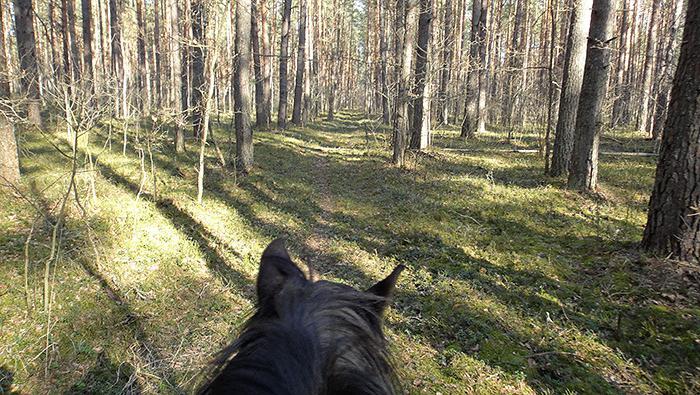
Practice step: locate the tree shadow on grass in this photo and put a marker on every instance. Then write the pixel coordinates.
(106, 377)
(7, 378)
(469, 327)
(204, 239)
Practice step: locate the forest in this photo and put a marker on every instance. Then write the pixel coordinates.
(533, 165)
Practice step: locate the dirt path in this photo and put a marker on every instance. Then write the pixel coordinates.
(319, 239)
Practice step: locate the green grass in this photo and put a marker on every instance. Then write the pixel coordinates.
(515, 284)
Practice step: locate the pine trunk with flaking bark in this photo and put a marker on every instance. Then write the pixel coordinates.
(383, 49)
(53, 41)
(666, 71)
(198, 50)
(117, 59)
(105, 41)
(284, 61)
(445, 70)
(144, 77)
(88, 46)
(175, 77)
(261, 61)
(574, 62)
(583, 171)
(515, 63)
(334, 62)
(419, 131)
(643, 119)
(401, 116)
(186, 61)
(299, 107)
(69, 6)
(673, 223)
(244, 134)
(27, 54)
(260, 119)
(156, 54)
(9, 158)
(474, 117)
(621, 60)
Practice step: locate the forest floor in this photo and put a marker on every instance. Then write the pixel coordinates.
(514, 283)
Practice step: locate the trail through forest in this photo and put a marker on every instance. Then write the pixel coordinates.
(514, 284)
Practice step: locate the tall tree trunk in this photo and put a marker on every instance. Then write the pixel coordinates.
(56, 62)
(72, 42)
(643, 119)
(673, 224)
(447, 45)
(261, 61)
(419, 130)
(334, 63)
(207, 102)
(260, 118)
(515, 62)
(88, 46)
(666, 73)
(175, 77)
(9, 158)
(186, 61)
(583, 172)
(474, 114)
(284, 59)
(198, 51)
(297, 111)
(117, 60)
(401, 117)
(386, 117)
(157, 63)
(244, 134)
(574, 61)
(144, 78)
(622, 54)
(26, 52)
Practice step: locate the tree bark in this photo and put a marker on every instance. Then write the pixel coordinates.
(475, 103)
(156, 55)
(9, 158)
(574, 61)
(26, 52)
(666, 71)
(513, 95)
(144, 77)
(583, 173)
(386, 116)
(175, 77)
(643, 119)
(620, 92)
(284, 59)
(420, 132)
(447, 44)
(673, 223)
(197, 50)
(297, 111)
(88, 46)
(244, 134)
(117, 60)
(401, 118)
(261, 44)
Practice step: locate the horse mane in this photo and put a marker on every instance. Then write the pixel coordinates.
(316, 338)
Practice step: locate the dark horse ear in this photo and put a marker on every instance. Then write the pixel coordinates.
(385, 288)
(276, 268)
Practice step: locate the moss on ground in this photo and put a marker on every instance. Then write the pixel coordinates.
(515, 284)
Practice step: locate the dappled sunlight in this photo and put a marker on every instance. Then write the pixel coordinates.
(513, 282)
